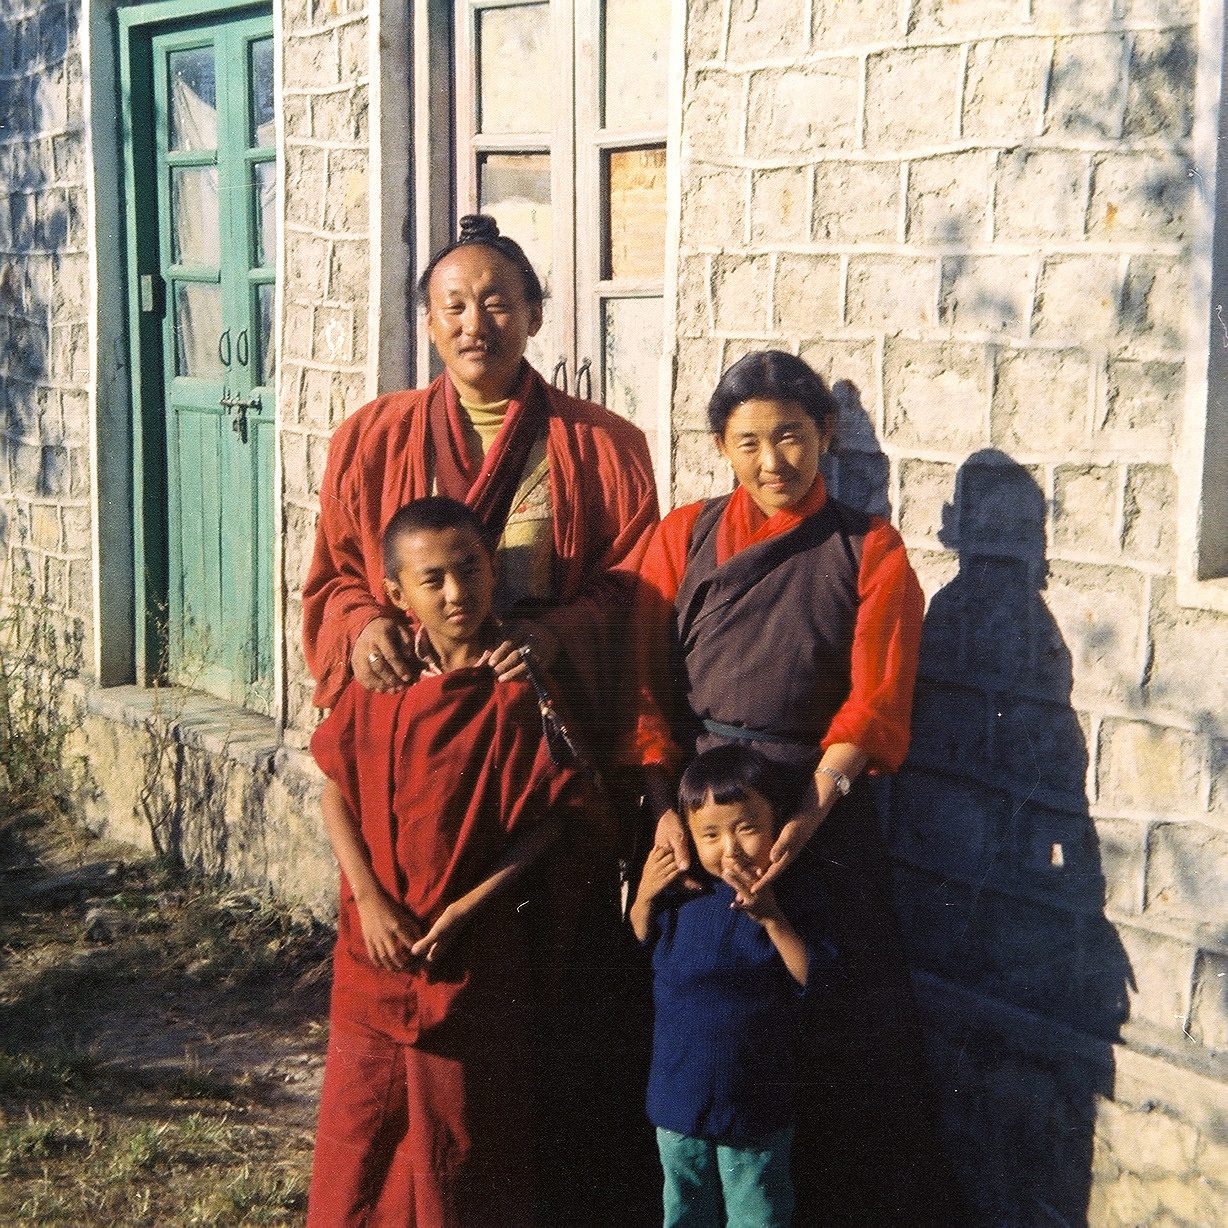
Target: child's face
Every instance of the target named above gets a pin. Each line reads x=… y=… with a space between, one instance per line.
x=735 y=834
x=446 y=579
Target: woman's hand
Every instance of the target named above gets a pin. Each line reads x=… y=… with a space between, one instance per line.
x=433 y=945
x=383 y=654
x=389 y=931
x=792 y=839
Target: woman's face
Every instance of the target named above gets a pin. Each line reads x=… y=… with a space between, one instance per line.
x=480 y=322
x=774 y=448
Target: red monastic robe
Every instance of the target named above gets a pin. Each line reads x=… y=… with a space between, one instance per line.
x=426 y=1115
x=605 y=505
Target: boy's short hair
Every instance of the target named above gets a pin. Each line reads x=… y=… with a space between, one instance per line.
x=728 y=773
x=432 y=514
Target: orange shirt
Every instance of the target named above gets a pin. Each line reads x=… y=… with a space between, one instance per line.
x=886 y=642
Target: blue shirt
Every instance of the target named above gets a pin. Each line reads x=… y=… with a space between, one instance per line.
x=728 y=1014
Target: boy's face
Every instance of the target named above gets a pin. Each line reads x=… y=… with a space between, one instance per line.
x=735 y=834
x=446 y=579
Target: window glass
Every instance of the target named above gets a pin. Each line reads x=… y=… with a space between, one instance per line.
x=635 y=219
x=193 y=99
x=262 y=135
x=195 y=237
x=198 y=329
x=514 y=72
x=264 y=184
x=631 y=338
x=636 y=63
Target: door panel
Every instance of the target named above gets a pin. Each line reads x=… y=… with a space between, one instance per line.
x=210 y=117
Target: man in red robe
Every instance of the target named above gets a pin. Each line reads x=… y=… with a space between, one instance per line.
x=565 y=485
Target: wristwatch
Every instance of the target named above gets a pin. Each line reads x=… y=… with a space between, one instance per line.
x=843 y=784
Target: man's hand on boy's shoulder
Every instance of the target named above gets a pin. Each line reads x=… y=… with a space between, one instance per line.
x=389 y=931
x=383 y=655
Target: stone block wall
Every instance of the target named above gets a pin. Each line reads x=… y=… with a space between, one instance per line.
x=45 y=364
x=323 y=375
x=973 y=218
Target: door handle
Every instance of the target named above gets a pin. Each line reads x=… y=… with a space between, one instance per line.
x=560 y=369
x=585 y=369
x=241 y=348
x=223 y=348
x=238 y=406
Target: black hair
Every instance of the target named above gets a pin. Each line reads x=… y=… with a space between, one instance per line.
x=729 y=773
x=772 y=375
x=480 y=228
x=431 y=515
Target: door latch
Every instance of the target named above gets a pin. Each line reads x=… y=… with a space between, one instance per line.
x=238 y=406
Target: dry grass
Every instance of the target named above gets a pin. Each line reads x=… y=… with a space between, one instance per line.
x=168 y=1076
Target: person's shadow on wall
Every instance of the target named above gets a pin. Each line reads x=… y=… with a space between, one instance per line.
x=1001 y=890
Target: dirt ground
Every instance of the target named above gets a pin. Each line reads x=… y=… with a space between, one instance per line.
x=161 y=1040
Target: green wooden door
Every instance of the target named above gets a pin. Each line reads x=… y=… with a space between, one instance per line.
x=212 y=215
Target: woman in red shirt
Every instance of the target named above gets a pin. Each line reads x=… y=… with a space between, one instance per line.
x=781 y=618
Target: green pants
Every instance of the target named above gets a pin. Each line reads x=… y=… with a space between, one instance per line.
x=707 y=1184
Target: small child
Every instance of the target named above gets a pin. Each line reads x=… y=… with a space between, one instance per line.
x=731 y=970
x=439 y=797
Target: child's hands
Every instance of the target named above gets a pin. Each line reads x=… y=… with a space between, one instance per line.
x=751 y=894
x=661 y=869
x=389 y=931
x=434 y=943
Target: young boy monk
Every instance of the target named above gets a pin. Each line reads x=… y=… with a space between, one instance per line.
x=732 y=967
x=439 y=797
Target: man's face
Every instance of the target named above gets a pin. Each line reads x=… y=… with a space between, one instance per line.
x=480 y=322
x=446 y=579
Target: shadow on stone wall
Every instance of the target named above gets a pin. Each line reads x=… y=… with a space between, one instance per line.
x=1001 y=888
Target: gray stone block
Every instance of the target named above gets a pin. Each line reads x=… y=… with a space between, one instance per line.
x=1085 y=509
x=805 y=295
x=714 y=119
x=1142 y=406
x=1041 y=194
x=1187 y=872
x=780 y=206
x=857 y=202
x=935 y=395
x=1087 y=88
x=1152 y=769
x=1042 y=401
x=986 y=294
x=1079 y=299
x=714 y=206
x=948 y=199
x=896 y=83
x=797 y=112
x=1140 y=197
x=1104 y=639
x=1161 y=93
x=1004 y=90
x=950 y=826
x=741 y=294
x=892 y=293
x=850 y=23
x=766 y=30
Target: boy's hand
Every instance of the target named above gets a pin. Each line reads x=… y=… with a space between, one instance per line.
x=389 y=931
x=507 y=660
x=435 y=942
